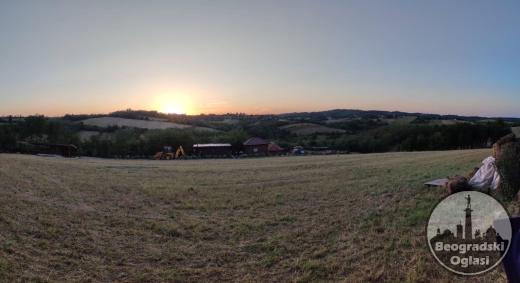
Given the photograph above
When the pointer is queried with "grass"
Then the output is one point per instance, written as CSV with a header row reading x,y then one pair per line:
x,y
353,218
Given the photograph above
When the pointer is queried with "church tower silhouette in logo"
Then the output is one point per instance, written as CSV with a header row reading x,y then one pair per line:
x,y
468,228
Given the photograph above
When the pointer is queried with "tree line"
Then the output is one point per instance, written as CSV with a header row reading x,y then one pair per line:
x,y
132,142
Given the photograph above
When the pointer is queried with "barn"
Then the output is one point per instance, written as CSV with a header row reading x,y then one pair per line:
x,y
212,150
256,146
66,150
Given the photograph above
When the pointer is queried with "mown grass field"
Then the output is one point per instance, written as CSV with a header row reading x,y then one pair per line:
x,y
302,129
349,218
104,122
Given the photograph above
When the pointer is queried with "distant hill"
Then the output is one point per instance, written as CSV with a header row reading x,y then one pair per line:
x,y
327,118
378,114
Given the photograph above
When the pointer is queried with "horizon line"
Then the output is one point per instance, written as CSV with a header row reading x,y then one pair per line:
x,y
264,114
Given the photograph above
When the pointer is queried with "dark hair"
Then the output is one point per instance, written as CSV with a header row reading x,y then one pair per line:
x,y
509,168
506,139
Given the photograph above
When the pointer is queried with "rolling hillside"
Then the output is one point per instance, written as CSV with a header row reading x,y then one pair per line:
x,y
310,128
104,122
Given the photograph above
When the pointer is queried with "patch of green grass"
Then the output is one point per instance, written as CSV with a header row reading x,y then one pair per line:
x,y
287,219
175,275
418,215
165,229
372,219
5,267
313,271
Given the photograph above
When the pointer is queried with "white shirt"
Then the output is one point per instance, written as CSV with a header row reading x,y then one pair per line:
x,y
487,176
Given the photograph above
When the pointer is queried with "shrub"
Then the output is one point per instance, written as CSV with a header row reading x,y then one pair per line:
x,y
509,168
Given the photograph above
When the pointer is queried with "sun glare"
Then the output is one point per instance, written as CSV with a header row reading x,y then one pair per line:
x,y
172,108
172,103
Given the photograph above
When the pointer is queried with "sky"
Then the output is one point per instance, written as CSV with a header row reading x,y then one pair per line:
x,y
439,56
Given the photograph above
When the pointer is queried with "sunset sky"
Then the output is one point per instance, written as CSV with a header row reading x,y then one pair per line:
x,y
457,57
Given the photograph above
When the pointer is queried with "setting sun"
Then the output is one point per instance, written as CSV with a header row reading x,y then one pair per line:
x,y
173,108
172,104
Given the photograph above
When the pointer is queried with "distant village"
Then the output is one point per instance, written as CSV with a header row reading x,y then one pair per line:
x,y
252,147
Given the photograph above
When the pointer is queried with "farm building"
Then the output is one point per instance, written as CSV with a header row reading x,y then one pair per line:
x,y
65,150
274,149
256,146
212,150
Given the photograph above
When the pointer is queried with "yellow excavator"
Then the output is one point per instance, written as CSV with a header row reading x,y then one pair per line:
x,y
167,153
179,153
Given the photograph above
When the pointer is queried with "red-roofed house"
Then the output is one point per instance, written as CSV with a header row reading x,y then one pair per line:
x,y
256,146
274,149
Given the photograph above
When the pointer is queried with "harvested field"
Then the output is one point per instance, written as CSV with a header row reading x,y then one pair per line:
x,y
310,128
401,120
104,122
353,218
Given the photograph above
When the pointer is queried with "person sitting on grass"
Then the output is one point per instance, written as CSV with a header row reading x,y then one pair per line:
x,y
487,177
